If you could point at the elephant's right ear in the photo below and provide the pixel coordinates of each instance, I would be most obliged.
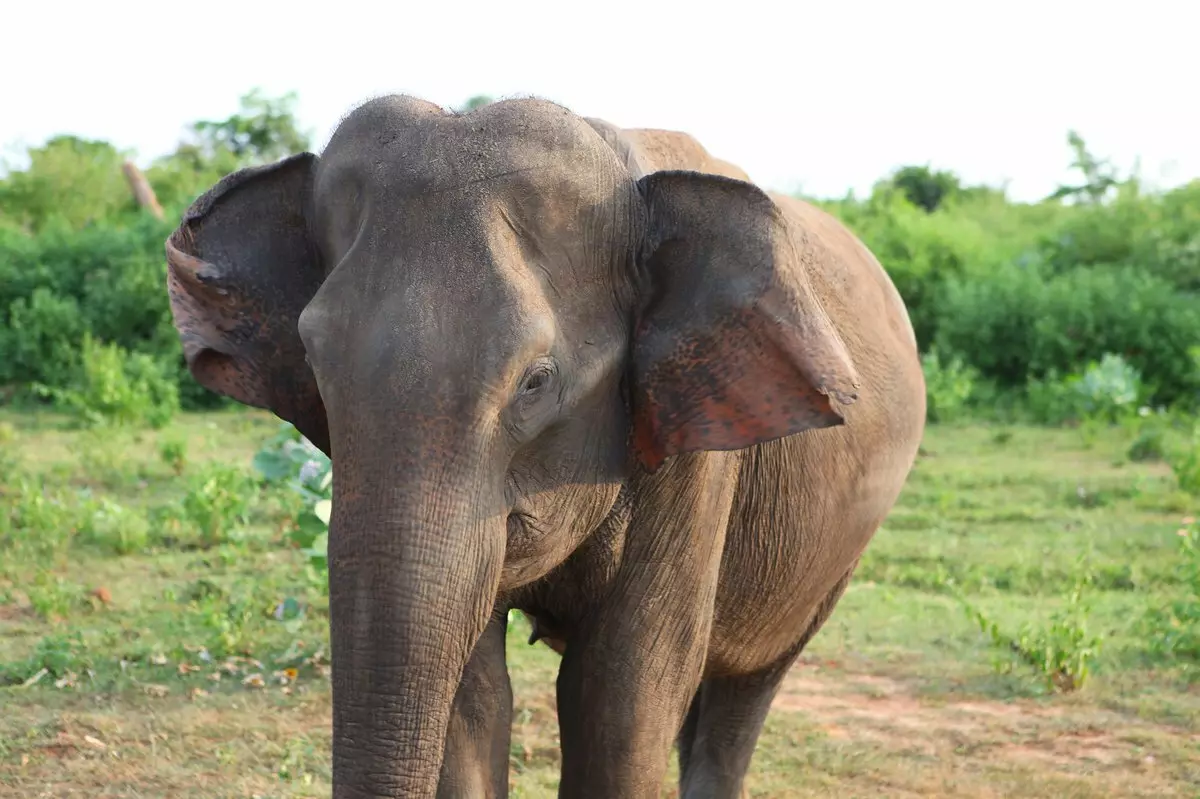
(241, 267)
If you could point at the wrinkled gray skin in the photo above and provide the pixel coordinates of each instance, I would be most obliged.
(559, 369)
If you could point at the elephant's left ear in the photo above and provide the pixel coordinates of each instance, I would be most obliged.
(733, 347)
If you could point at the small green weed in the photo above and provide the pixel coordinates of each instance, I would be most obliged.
(1185, 463)
(1149, 445)
(173, 452)
(1173, 627)
(53, 597)
(218, 502)
(116, 528)
(1061, 652)
(60, 656)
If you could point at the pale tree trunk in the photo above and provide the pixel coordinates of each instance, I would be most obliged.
(141, 189)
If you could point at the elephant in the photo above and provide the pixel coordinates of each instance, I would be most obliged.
(591, 374)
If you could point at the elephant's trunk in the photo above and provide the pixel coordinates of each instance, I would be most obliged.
(413, 576)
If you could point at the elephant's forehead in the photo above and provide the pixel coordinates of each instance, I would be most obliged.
(398, 147)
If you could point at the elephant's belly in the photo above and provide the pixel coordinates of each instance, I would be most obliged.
(795, 532)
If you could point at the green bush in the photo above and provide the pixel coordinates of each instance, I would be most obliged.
(1173, 628)
(1185, 463)
(289, 459)
(1016, 325)
(217, 503)
(1149, 444)
(116, 528)
(114, 387)
(949, 386)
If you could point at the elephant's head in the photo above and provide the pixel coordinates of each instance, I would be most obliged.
(487, 322)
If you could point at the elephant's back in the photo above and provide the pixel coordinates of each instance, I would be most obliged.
(807, 505)
(647, 150)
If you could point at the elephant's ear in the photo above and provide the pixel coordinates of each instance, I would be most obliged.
(241, 267)
(733, 348)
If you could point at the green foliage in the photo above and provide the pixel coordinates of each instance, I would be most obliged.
(264, 129)
(1149, 445)
(1186, 463)
(173, 452)
(948, 386)
(116, 528)
(476, 101)
(1014, 326)
(1107, 391)
(924, 187)
(115, 387)
(69, 181)
(1099, 175)
(1172, 627)
(56, 656)
(1062, 651)
(291, 460)
(78, 257)
(217, 503)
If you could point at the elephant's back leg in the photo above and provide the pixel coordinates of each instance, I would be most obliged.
(727, 715)
(803, 513)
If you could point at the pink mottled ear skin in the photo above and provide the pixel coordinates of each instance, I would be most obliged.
(740, 352)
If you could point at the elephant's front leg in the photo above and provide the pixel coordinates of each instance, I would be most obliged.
(475, 762)
(631, 669)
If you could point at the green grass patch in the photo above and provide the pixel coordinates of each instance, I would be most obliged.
(163, 629)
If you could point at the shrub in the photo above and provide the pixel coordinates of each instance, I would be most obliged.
(1107, 391)
(173, 452)
(1062, 651)
(114, 387)
(1185, 463)
(292, 460)
(1149, 444)
(949, 386)
(217, 502)
(1173, 627)
(1015, 325)
(118, 529)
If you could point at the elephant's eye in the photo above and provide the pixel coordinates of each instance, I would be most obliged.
(537, 378)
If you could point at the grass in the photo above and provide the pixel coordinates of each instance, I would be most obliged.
(159, 638)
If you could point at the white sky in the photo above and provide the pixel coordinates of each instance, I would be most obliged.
(823, 96)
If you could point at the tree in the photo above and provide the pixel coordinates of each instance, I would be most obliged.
(1099, 176)
(924, 187)
(76, 181)
(263, 130)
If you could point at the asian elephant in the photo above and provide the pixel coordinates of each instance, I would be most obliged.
(593, 374)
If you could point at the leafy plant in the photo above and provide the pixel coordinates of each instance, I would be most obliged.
(949, 386)
(55, 655)
(119, 529)
(1150, 443)
(1173, 626)
(173, 452)
(1185, 463)
(291, 460)
(1062, 651)
(1108, 389)
(217, 502)
(114, 387)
